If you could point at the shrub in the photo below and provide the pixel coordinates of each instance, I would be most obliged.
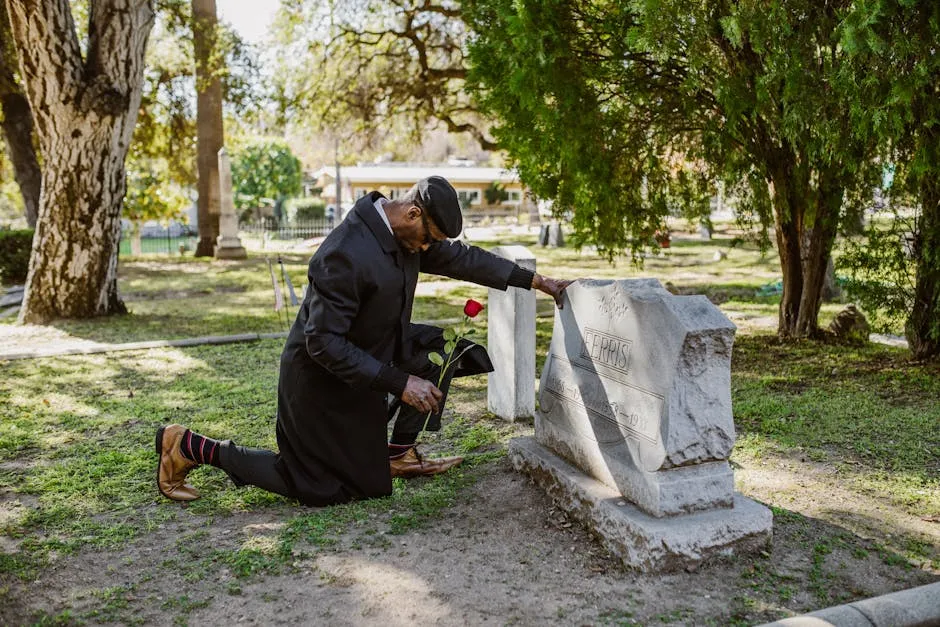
(302, 209)
(15, 247)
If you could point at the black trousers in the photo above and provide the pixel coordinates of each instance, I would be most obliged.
(258, 467)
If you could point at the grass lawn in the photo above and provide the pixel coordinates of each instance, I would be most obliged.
(76, 433)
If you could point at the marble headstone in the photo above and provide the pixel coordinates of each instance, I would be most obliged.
(636, 392)
(634, 426)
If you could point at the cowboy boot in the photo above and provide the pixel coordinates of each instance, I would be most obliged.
(413, 464)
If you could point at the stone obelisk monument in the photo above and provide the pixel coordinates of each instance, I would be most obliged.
(228, 246)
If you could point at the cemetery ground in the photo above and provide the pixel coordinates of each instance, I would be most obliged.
(842, 442)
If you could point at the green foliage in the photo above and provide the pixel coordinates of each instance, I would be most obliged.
(166, 124)
(11, 200)
(626, 112)
(891, 85)
(151, 194)
(264, 171)
(495, 193)
(15, 249)
(881, 272)
(301, 209)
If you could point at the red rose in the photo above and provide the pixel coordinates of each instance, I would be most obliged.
(472, 308)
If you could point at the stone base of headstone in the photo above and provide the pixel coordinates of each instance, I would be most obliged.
(229, 245)
(230, 250)
(641, 541)
(668, 492)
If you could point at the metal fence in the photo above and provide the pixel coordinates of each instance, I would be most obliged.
(307, 229)
(160, 241)
(174, 240)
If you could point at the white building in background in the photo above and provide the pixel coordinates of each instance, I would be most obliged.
(394, 179)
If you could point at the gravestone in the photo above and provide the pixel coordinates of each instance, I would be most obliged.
(510, 390)
(634, 426)
(228, 245)
(551, 235)
(556, 237)
(543, 235)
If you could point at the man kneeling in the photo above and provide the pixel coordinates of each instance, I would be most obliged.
(351, 348)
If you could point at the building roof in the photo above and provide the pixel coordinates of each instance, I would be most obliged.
(410, 174)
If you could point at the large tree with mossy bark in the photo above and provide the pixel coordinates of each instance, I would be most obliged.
(85, 107)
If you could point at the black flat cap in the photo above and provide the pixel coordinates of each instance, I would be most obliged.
(439, 199)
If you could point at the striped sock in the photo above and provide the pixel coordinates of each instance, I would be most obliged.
(199, 448)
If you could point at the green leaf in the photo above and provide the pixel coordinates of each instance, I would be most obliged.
(436, 359)
(470, 331)
(450, 334)
(449, 347)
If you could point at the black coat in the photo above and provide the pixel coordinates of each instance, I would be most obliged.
(336, 367)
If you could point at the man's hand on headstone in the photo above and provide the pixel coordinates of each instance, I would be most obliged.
(422, 394)
(553, 287)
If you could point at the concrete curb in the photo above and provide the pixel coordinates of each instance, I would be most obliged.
(98, 347)
(132, 346)
(916, 607)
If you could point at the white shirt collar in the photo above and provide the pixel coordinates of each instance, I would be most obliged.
(379, 206)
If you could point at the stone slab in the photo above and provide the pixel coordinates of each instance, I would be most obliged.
(643, 542)
(918, 606)
(92, 348)
(510, 390)
(11, 298)
(7, 313)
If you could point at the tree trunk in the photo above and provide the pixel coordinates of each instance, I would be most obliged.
(18, 132)
(819, 234)
(18, 124)
(85, 113)
(923, 326)
(806, 221)
(209, 130)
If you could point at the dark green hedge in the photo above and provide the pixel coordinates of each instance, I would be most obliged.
(15, 247)
(304, 209)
